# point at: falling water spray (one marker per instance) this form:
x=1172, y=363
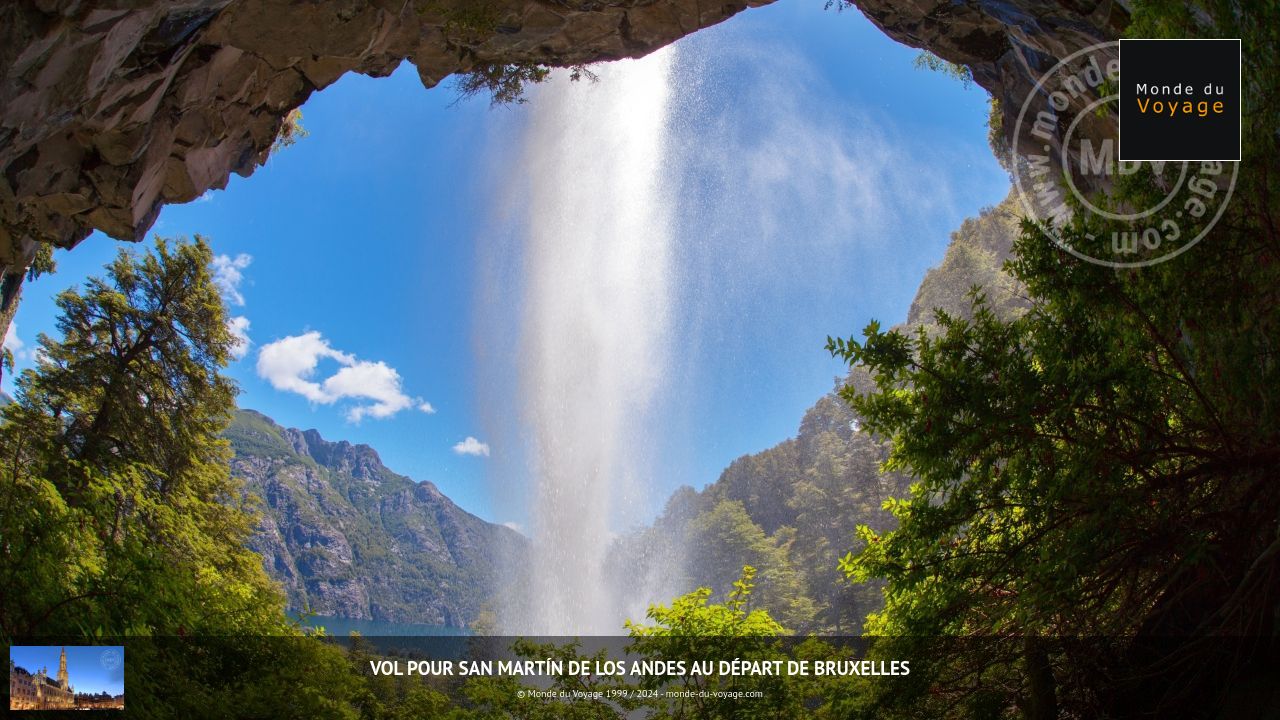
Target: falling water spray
x=596, y=251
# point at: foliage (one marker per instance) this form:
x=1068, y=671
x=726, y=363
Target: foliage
x=974, y=257
x=499, y=696
x=120, y=515
x=113, y=469
x=241, y=676
x=1101, y=466
x=291, y=131
x=996, y=138
x=728, y=538
x=691, y=629
x=784, y=511
x=506, y=83
x=928, y=61
x=690, y=616
x=43, y=262
x=801, y=497
x=470, y=21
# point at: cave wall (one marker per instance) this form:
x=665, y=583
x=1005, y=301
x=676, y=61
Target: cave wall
x=1009, y=45
x=109, y=110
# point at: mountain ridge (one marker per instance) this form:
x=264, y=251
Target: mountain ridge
x=344, y=535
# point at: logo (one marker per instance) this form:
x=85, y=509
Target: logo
x=111, y=659
x=1066, y=158
x=1180, y=100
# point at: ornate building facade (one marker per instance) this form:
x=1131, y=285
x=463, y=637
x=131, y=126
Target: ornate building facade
x=100, y=701
x=38, y=691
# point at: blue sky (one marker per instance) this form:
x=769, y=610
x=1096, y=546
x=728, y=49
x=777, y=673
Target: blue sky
x=819, y=175
x=90, y=668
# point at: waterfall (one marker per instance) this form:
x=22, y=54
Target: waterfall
x=710, y=198
x=594, y=233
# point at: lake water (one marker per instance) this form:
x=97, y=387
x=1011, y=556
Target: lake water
x=342, y=627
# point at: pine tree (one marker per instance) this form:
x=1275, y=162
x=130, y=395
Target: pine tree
x=119, y=511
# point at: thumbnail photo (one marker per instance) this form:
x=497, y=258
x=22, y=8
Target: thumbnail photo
x=87, y=677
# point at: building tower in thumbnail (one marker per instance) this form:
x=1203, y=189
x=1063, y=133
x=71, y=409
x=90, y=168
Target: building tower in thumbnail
x=38, y=690
x=63, y=682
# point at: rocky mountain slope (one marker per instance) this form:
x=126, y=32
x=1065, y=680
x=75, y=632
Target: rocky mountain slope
x=791, y=510
x=974, y=257
x=346, y=536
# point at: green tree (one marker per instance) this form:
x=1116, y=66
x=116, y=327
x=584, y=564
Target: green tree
x=120, y=514
x=726, y=538
x=928, y=61
x=694, y=629
x=506, y=83
x=693, y=616
x=841, y=480
x=1101, y=466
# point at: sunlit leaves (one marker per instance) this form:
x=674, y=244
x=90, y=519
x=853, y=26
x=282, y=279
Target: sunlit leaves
x=123, y=514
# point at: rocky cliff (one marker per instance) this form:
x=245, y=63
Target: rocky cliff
x=109, y=110
x=790, y=510
x=346, y=536
x=1006, y=44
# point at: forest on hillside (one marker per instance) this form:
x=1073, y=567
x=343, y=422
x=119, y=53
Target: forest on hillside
x=786, y=511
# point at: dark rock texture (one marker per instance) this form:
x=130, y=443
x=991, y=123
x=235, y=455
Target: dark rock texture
x=109, y=110
x=1009, y=45
x=346, y=536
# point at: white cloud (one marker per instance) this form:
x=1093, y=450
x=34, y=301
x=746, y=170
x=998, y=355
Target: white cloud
x=514, y=526
x=239, y=328
x=227, y=276
x=12, y=342
x=204, y=197
x=287, y=363
x=374, y=380
x=290, y=364
x=472, y=446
